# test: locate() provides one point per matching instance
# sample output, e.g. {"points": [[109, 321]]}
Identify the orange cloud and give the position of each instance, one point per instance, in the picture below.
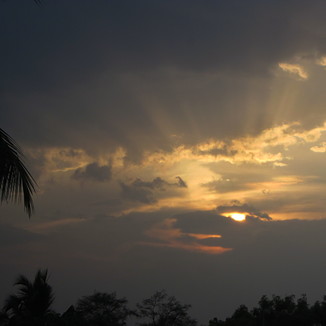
{"points": [[216, 250], [172, 237], [321, 148], [250, 149], [294, 69], [203, 236]]}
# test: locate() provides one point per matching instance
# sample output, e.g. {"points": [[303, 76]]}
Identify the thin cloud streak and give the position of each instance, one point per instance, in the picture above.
{"points": [[294, 69], [172, 237]]}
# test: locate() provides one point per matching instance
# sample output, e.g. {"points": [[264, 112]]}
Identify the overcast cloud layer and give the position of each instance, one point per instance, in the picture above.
{"points": [[146, 125]]}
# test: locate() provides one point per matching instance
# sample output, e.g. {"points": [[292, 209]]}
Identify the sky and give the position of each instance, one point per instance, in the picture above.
{"points": [[147, 125]]}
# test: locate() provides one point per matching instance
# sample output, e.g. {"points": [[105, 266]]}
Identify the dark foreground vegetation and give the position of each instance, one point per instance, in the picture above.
{"points": [[278, 311], [31, 305]]}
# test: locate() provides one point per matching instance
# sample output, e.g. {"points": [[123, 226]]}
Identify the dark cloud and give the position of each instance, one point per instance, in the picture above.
{"points": [[245, 208], [156, 183], [144, 191], [224, 151], [94, 172], [233, 234], [159, 183], [202, 222], [136, 193], [100, 68], [181, 183], [137, 36]]}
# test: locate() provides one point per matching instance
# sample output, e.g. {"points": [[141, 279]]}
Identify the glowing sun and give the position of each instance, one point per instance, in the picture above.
{"points": [[238, 217]]}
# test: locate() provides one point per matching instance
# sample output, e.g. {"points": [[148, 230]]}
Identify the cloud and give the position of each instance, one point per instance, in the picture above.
{"points": [[181, 183], [244, 208], [156, 183], [94, 172], [56, 159], [167, 235], [88, 95], [321, 148], [268, 147], [137, 193], [294, 69], [145, 191], [322, 61], [224, 185], [215, 172], [171, 46]]}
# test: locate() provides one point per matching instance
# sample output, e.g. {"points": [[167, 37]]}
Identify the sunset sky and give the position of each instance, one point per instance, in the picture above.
{"points": [[147, 124]]}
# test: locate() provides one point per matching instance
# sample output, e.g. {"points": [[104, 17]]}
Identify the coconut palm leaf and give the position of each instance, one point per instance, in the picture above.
{"points": [[38, 2], [33, 298], [12, 303], [25, 286], [16, 183]]}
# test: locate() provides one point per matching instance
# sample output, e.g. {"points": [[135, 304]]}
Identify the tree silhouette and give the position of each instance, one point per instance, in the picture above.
{"points": [[102, 309], [241, 317], [277, 311], [162, 310], [16, 183], [32, 304]]}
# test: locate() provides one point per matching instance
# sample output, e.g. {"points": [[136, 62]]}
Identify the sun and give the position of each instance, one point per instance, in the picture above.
{"points": [[238, 217]]}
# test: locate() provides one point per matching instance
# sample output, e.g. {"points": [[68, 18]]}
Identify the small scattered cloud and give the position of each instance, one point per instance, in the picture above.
{"points": [[144, 191], [294, 69], [94, 172], [181, 183], [321, 148], [322, 61]]}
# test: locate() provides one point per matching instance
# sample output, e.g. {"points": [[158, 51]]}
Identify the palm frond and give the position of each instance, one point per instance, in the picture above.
{"points": [[16, 183], [23, 280], [41, 276], [25, 286], [12, 303]]}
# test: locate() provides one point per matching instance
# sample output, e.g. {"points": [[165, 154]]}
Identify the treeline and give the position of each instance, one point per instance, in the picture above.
{"points": [[278, 311], [31, 306]]}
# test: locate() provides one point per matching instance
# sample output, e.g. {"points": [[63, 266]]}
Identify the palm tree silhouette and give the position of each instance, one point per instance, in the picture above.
{"points": [[33, 301], [16, 183]]}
